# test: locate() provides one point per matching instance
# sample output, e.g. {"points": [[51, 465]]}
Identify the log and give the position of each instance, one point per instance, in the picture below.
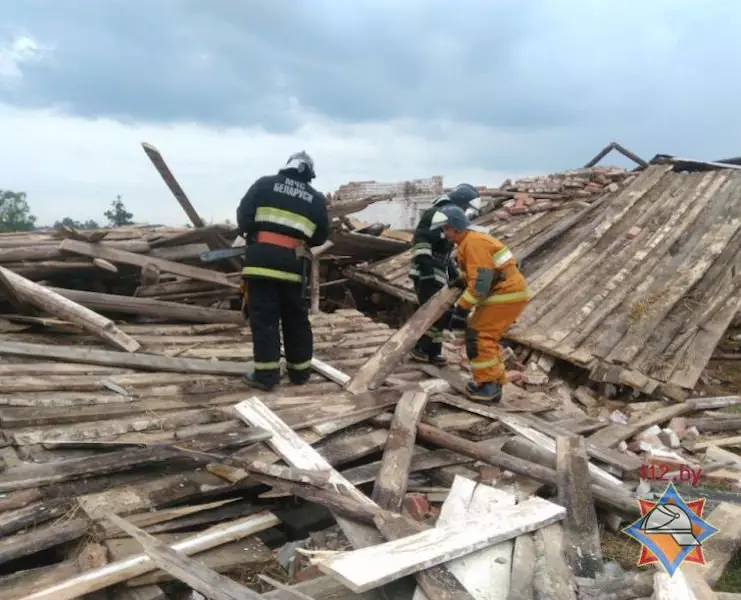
{"points": [[199, 577], [140, 564], [621, 502], [374, 372], [121, 256], [32, 515], [142, 361], [581, 528], [391, 484], [63, 308], [146, 307], [374, 566]]}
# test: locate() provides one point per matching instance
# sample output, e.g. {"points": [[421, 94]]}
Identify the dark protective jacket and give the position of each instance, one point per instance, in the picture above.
{"points": [[286, 205], [431, 260]]}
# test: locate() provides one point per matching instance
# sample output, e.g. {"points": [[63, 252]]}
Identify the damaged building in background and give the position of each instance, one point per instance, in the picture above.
{"points": [[126, 431]]}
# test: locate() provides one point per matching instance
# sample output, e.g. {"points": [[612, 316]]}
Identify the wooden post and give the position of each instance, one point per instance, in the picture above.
{"points": [[374, 372], [59, 306], [315, 264], [391, 483], [581, 529]]}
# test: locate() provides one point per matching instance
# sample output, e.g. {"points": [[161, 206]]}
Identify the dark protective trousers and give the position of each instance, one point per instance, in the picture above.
{"points": [[431, 343], [273, 303]]}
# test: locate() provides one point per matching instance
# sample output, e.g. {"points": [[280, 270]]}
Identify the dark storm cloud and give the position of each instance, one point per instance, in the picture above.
{"points": [[656, 73]]}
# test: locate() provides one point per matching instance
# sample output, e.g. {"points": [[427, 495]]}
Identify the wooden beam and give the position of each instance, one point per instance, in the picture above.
{"points": [[622, 502], [486, 573], [374, 372], [121, 256], [63, 308], [147, 307], [41, 538], [375, 566], [140, 564], [581, 528], [522, 576], [191, 572], [391, 484], [141, 361]]}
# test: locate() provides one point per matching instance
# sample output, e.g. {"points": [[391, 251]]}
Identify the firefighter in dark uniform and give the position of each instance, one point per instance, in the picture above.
{"points": [[280, 217], [432, 267]]}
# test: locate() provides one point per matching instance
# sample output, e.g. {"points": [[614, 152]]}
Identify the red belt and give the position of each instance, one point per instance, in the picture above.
{"points": [[277, 239]]}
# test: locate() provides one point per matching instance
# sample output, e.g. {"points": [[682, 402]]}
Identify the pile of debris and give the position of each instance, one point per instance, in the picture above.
{"points": [[134, 461], [539, 194]]}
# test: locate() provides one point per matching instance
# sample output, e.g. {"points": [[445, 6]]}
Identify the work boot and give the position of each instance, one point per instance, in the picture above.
{"points": [[419, 355], [250, 380], [299, 379], [438, 361], [485, 392]]}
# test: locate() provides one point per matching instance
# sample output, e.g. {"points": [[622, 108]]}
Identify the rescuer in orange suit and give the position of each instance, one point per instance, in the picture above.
{"points": [[495, 295]]}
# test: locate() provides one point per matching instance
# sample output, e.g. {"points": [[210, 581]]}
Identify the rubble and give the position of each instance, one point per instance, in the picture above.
{"points": [[136, 435]]}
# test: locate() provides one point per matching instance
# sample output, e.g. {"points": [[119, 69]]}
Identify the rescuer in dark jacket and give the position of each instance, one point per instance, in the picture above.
{"points": [[432, 267], [281, 216]]}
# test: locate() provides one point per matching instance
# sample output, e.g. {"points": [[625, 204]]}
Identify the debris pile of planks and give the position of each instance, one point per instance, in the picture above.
{"points": [[119, 466]]}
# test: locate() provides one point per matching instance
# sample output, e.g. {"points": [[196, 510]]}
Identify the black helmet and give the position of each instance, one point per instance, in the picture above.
{"points": [[451, 215], [303, 163], [464, 195]]}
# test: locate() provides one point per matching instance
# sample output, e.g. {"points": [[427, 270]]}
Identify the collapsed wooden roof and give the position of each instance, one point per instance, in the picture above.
{"points": [[638, 287]]}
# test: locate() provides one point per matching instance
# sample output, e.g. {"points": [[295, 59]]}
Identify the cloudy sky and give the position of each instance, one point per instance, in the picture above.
{"points": [[388, 90]]}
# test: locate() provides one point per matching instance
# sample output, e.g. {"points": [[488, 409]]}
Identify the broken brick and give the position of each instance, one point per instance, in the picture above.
{"points": [[613, 187], [489, 475], [633, 232], [529, 201], [417, 506], [502, 214], [518, 210]]}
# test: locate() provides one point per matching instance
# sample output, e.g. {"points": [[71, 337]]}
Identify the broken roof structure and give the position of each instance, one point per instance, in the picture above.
{"points": [[638, 287]]}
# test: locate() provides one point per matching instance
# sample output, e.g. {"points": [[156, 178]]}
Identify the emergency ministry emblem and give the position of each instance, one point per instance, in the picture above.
{"points": [[670, 531]]}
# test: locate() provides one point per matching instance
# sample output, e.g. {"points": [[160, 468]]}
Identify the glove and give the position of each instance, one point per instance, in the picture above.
{"points": [[459, 319], [459, 282]]}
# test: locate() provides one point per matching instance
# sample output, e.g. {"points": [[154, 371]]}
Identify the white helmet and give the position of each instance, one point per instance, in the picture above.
{"points": [[302, 162]]}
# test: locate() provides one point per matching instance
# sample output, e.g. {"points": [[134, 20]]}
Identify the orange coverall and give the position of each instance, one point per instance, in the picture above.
{"points": [[497, 303]]}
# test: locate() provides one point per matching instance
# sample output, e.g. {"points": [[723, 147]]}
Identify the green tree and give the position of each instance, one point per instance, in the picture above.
{"points": [[69, 222], [118, 216], [15, 213]]}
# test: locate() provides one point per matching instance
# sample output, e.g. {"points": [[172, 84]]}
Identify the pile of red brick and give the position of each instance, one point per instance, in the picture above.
{"points": [[537, 194]]}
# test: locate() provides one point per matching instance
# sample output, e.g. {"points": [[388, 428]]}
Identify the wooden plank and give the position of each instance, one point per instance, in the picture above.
{"points": [[32, 515], [522, 575], [319, 588], [189, 571], [374, 566], [299, 454], [41, 538], [391, 484], [439, 583], [598, 475], [134, 566], [147, 307], [374, 372], [614, 434], [581, 528], [63, 308], [622, 502], [486, 573], [553, 579], [121, 256], [142, 361]]}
